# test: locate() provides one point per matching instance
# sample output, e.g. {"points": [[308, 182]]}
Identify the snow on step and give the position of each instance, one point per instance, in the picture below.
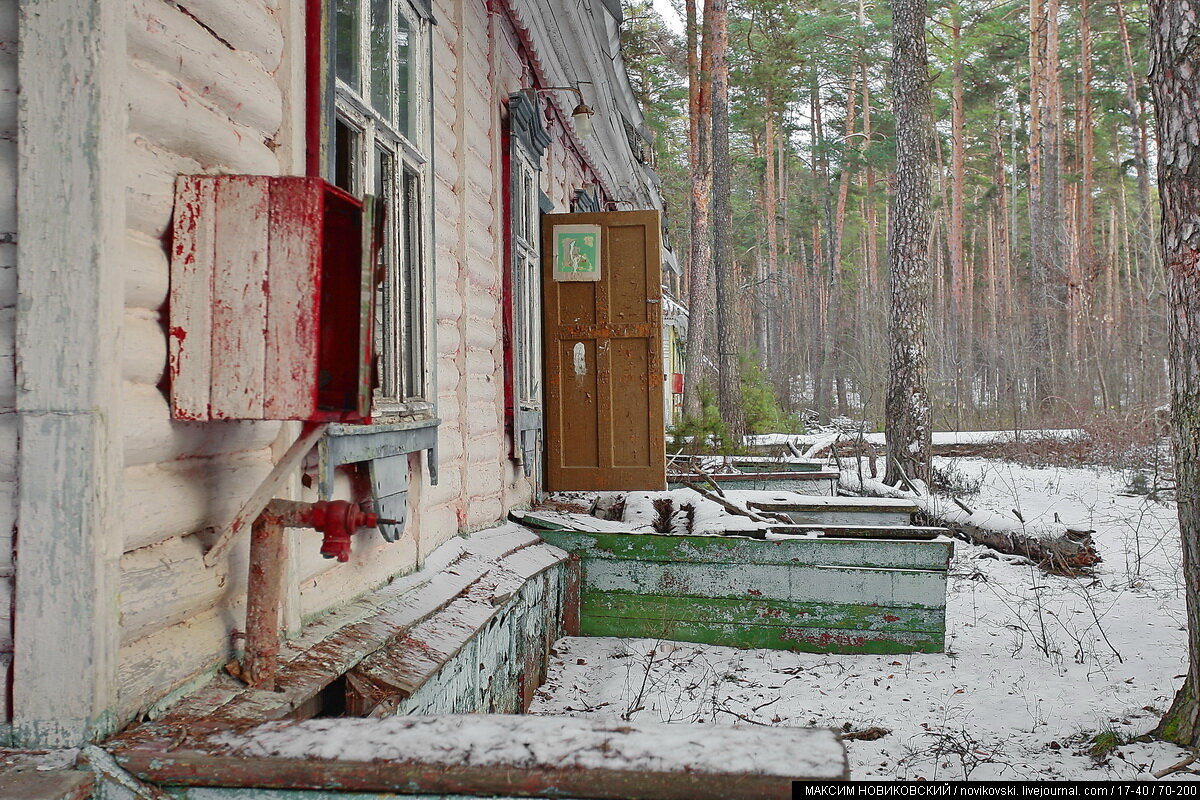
{"points": [[858, 511], [558, 754]]}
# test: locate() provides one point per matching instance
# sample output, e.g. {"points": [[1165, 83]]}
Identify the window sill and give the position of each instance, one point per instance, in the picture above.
{"points": [[350, 444]]}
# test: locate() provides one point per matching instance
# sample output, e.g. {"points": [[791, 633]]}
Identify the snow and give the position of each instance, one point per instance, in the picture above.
{"points": [[817, 442], [1035, 665], [531, 742]]}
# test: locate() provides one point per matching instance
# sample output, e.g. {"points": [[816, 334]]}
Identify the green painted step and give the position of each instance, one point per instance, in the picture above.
{"points": [[803, 640], [931, 555], [801, 584], [847, 616], [859, 511], [895, 532]]}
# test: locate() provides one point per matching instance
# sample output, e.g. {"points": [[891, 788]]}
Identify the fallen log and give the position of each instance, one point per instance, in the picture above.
{"points": [[1056, 548]]}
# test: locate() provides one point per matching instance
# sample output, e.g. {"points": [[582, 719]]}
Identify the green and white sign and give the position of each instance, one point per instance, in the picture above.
{"points": [[576, 252]]}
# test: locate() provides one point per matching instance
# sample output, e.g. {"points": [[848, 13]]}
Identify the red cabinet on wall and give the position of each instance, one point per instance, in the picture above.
{"points": [[272, 300]]}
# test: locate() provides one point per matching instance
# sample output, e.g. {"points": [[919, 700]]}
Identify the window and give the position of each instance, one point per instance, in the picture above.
{"points": [[380, 146], [527, 141]]}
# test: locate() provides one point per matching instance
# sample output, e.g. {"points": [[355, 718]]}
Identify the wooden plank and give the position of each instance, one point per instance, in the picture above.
{"points": [[177, 44], [493, 754], [842, 516], [834, 504], [57, 785], [190, 331], [704, 610], [892, 532], [802, 584], [798, 482], [803, 640], [411, 660], [723, 550], [293, 282], [239, 300], [72, 132]]}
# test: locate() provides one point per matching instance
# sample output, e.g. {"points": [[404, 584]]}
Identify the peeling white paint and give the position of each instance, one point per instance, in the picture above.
{"points": [[579, 356]]}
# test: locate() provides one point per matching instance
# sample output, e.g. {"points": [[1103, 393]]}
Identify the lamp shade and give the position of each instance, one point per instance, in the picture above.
{"points": [[582, 118]]}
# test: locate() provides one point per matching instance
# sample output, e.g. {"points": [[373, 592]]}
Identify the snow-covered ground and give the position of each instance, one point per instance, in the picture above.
{"points": [[1035, 667]]}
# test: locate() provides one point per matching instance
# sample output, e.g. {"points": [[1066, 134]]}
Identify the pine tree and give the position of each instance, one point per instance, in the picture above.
{"points": [[908, 409]]}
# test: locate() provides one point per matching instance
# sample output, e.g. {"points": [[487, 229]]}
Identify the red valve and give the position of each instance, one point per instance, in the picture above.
{"points": [[339, 520]]}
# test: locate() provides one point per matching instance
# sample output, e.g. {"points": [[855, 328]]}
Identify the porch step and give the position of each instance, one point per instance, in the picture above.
{"points": [[844, 511], [814, 483], [899, 532], [474, 755], [57, 785]]}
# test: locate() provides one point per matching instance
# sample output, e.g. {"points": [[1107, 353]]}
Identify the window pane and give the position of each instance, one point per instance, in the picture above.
{"points": [[345, 142], [404, 74], [387, 312], [346, 36], [383, 99], [414, 301]]}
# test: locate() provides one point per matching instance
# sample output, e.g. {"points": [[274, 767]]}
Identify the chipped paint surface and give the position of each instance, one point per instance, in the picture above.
{"points": [[842, 596]]}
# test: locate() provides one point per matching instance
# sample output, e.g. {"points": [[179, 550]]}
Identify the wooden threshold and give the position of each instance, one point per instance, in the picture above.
{"points": [[503, 755]]}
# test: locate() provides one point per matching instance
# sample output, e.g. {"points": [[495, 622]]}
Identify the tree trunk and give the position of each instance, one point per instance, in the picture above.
{"points": [[729, 391], [908, 411], [700, 253], [1174, 64], [1045, 206]]}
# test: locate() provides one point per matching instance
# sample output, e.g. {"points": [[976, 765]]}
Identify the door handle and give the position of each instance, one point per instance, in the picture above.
{"points": [[654, 301]]}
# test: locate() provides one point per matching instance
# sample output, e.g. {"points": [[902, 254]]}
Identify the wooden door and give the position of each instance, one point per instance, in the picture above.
{"points": [[603, 339]]}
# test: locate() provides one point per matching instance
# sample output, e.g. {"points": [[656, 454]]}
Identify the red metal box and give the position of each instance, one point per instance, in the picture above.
{"points": [[272, 300]]}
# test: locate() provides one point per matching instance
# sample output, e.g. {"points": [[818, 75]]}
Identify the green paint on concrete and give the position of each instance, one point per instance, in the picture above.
{"points": [[772, 637], [825, 552], [656, 608], [809, 595]]}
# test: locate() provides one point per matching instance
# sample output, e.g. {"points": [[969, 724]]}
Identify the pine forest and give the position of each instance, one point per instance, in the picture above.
{"points": [[1046, 295]]}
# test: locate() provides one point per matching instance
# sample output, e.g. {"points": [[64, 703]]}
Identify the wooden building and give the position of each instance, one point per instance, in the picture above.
{"points": [[457, 114]]}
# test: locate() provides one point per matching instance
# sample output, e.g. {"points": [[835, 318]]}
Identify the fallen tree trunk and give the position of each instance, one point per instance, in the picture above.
{"points": [[1056, 548]]}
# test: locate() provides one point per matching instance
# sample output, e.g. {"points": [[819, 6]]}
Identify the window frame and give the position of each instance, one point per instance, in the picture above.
{"points": [[527, 139], [405, 372]]}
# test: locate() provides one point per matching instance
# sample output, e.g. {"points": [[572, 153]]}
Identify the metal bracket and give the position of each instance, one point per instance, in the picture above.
{"points": [[350, 444]]}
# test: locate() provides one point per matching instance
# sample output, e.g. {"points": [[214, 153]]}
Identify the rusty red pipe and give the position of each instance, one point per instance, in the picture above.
{"points": [[338, 520]]}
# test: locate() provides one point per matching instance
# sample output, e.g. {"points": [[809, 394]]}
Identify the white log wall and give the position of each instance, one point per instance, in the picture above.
{"points": [[205, 94], [211, 86], [8, 296]]}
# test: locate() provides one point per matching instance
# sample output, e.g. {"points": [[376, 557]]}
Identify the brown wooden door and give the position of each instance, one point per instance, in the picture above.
{"points": [[603, 344]]}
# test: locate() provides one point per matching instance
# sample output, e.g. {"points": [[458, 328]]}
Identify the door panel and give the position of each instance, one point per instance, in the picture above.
{"points": [[604, 379]]}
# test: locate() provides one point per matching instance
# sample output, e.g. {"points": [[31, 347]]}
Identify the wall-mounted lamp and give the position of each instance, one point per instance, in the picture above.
{"points": [[581, 117]]}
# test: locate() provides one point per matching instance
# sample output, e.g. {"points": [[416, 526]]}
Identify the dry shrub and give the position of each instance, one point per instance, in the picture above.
{"points": [[1120, 439]]}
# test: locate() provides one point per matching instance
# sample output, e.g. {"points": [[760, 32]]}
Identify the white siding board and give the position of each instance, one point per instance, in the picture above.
{"points": [[177, 119], [144, 351], [173, 42], [8, 521], [182, 497], [152, 437], [245, 25], [167, 583], [150, 173], [147, 272], [8, 185], [8, 295], [190, 343], [156, 664], [240, 307]]}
